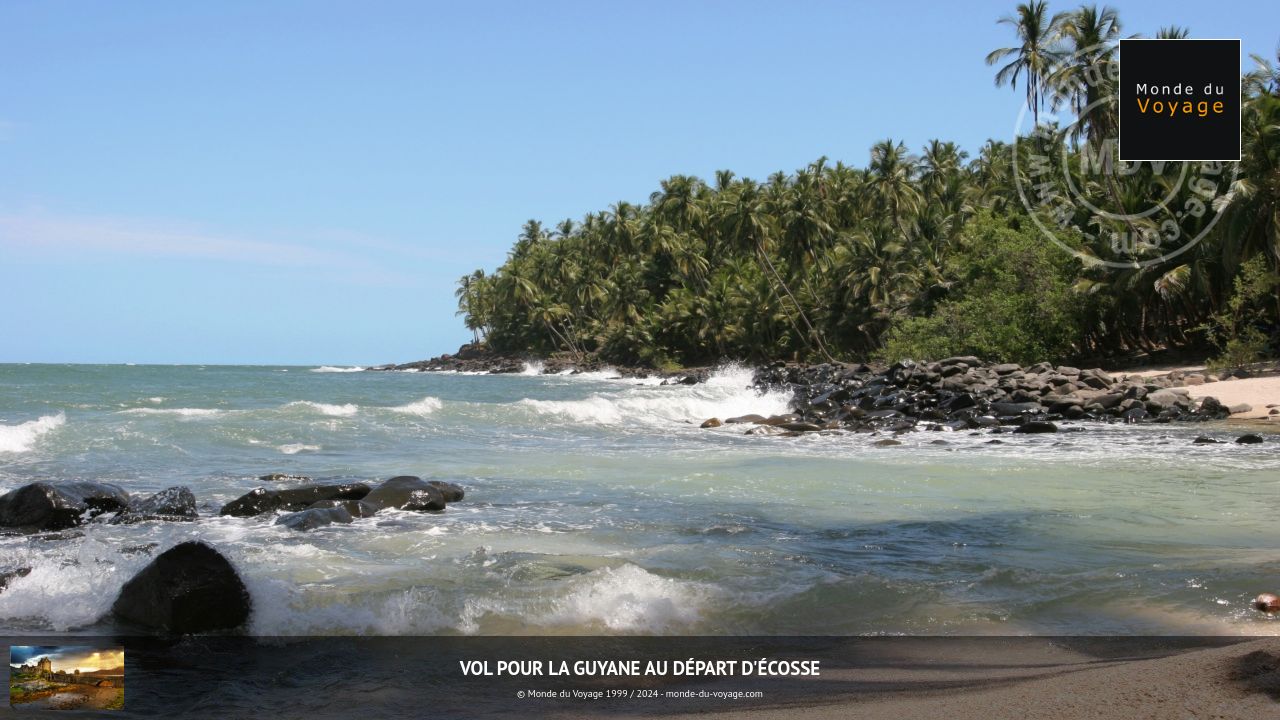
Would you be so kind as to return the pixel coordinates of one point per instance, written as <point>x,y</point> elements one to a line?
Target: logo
<point>1084,198</point>
<point>1179,100</point>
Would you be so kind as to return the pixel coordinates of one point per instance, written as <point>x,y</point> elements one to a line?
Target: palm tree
<point>1035,54</point>
<point>1085,81</point>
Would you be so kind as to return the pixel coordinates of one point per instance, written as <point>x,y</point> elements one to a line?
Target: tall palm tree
<point>1035,54</point>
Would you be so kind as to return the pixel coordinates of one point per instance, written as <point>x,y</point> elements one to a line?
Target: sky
<point>68,658</point>
<point>303,182</point>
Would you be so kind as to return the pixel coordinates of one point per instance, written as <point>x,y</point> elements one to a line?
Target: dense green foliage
<point>1018,301</point>
<point>916,255</point>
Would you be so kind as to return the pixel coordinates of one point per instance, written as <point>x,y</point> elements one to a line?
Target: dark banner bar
<point>410,677</point>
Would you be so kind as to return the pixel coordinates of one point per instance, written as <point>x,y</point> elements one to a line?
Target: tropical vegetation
<point>925,254</point>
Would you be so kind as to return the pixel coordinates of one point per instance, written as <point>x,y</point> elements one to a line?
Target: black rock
<point>315,517</point>
<point>1135,414</point>
<point>406,492</point>
<point>1036,426</point>
<point>54,506</point>
<point>189,588</point>
<point>1211,407</point>
<point>12,573</point>
<point>170,504</point>
<point>887,442</point>
<point>262,500</point>
<point>752,418</point>
<point>1250,439</point>
<point>452,492</point>
<point>959,402</point>
<point>1205,440</point>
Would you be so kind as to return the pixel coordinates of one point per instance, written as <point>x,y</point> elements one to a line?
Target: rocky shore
<point>476,358</point>
<point>965,393</point>
<point>191,587</point>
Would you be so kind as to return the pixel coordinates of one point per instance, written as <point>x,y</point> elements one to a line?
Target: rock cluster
<point>477,358</point>
<point>55,506</point>
<point>315,506</point>
<point>44,506</point>
<point>962,393</point>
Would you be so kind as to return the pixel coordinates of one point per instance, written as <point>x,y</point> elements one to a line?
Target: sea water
<point>596,505</point>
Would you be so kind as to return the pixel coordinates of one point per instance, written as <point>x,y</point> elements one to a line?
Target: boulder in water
<point>406,492</point>
<point>58,505</point>
<point>189,588</point>
<point>1250,439</point>
<point>315,517</point>
<point>452,492</point>
<point>171,504</point>
<point>1267,602</point>
<point>262,500</point>
<point>711,423</point>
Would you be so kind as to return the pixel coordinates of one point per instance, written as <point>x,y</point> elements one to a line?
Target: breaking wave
<point>332,369</point>
<point>728,392</point>
<point>629,599</point>
<point>423,407</point>
<point>21,437</point>
<point>326,408</point>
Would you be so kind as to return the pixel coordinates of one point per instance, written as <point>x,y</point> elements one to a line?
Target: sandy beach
<point>1262,394</point>
<point>1052,680</point>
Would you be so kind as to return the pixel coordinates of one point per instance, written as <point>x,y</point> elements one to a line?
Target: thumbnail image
<point>66,677</point>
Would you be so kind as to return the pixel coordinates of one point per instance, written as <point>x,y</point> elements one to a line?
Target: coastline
<point>959,392</point>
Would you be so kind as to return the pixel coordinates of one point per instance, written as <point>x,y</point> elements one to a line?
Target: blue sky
<point>302,182</point>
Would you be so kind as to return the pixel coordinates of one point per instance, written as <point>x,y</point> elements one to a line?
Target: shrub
<point>1013,301</point>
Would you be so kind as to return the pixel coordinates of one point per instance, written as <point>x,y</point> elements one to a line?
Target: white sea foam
<point>423,407</point>
<point>728,392</point>
<point>533,367</point>
<point>181,412</point>
<point>332,369</point>
<point>326,408</point>
<point>295,448</point>
<point>156,399</point>
<point>69,585</point>
<point>21,437</point>
<point>629,599</point>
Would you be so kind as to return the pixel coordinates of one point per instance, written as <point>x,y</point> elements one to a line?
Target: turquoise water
<point>596,505</point>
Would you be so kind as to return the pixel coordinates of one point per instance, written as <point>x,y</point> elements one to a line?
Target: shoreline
<point>958,393</point>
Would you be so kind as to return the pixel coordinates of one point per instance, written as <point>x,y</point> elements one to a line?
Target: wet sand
<point>1054,681</point>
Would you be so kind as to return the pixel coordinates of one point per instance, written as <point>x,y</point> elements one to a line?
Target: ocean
<point>596,505</point>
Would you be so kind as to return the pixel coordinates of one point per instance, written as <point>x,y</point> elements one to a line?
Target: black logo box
<point>1179,63</point>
